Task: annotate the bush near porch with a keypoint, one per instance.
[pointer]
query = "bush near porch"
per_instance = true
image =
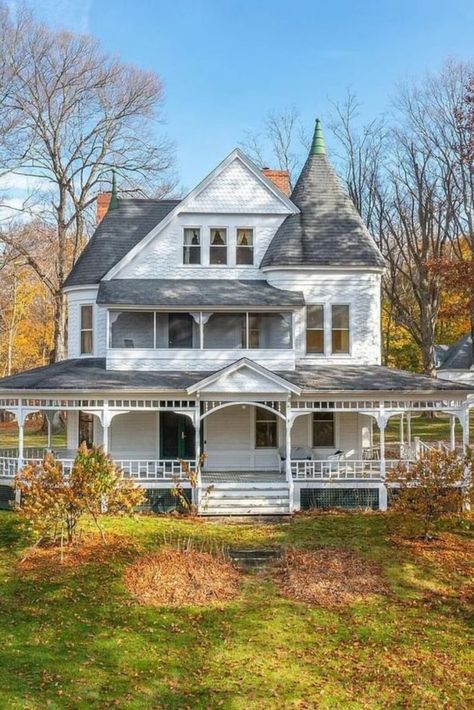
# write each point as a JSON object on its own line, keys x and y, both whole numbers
{"x": 72, "y": 636}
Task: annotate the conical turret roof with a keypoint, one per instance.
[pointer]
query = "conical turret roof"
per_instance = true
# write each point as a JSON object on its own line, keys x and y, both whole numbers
{"x": 328, "y": 231}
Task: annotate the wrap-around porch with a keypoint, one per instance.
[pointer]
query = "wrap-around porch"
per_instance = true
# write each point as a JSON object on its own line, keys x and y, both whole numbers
{"x": 301, "y": 442}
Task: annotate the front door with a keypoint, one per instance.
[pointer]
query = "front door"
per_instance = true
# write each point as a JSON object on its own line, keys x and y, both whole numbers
{"x": 177, "y": 436}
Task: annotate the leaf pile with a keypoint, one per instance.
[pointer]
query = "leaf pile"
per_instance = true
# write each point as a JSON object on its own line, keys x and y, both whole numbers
{"x": 329, "y": 577}
{"x": 174, "y": 577}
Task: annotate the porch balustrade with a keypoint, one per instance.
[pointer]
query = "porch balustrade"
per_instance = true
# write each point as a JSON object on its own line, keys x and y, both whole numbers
{"x": 307, "y": 470}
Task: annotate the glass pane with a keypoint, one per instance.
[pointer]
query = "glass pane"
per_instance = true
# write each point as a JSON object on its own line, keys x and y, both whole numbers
{"x": 265, "y": 435}
{"x": 314, "y": 316}
{"x": 269, "y": 330}
{"x": 225, "y": 330}
{"x": 315, "y": 341}
{"x": 323, "y": 430}
{"x": 245, "y": 237}
{"x": 176, "y": 330}
{"x": 86, "y": 317}
{"x": 218, "y": 255}
{"x": 192, "y": 237}
{"x": 340, "y": 341}
{"x": 86, "y": 429}
{"x": 218, "y": 237}
{"x": 129, "y": 329}
{"x": 192, "y": 255}
{"x": 340, "y": 317}
{"x": 244, "y": 255}
{"x": 86, "y": 342}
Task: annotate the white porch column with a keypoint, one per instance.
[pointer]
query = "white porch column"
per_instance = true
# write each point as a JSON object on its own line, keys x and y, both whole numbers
{"x": 464, "y": 419}
{"x": 402, "y": 428}
{"x": 20, "y": 417}
{"x": 382, "y": 421}
{"x": 289, "y": 477}
{"x": 197, "y": 445}
{"x": 409, "y": 428}
{"x": 105, "y": 420}
{"x": 452, "y": 431}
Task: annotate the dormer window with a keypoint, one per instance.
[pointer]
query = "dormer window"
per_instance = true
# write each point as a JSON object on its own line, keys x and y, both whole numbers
{"x": 192, "y": 246}
{"x": 244, "y": 248}
{"x": 218, "y": 247}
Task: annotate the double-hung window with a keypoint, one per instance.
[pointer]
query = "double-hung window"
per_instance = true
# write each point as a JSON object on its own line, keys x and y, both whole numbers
{"x": 266, "y": 434}
{"x": 323, "y": 429}
{"x": 87, "y": 333}
{"x": 191, "y": 246}
{"x": 340, "y": 330}
{"x": 315, "y": 329}
{"x": 218, "y": 246}
{"x": 244, "y": 247}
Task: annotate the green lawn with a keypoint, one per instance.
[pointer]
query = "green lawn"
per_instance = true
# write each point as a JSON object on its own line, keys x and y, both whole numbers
{"x": 73, "y": 638}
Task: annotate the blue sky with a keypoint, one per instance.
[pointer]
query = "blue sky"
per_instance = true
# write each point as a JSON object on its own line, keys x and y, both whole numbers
{"x": 226, "y": 63}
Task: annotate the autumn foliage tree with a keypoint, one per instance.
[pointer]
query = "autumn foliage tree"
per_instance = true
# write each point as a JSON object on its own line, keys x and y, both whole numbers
{"x": 434, "y": 485}
{"x": 54, "y": 503}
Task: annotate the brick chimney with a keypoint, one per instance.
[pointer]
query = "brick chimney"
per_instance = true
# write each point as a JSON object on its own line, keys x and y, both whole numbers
{"x": 102, "y": 206}
{"x": 280, "y": 178}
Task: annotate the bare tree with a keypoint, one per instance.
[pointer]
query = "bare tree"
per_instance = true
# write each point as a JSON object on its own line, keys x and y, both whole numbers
{"x": 83, "y": 113}
{"x": 280, "y": 143}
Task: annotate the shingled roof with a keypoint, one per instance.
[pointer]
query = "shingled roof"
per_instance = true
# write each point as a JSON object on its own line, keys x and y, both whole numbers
{"x": 120, "y": 230}
{"x": 328, "y": 231}
{"x": 456, "y": 357}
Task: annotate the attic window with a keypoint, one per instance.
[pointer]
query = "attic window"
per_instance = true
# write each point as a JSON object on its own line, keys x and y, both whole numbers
{"x": 218, "y": 248}
{"x": 244, "y": 249}
{"x": 192, "y": 246}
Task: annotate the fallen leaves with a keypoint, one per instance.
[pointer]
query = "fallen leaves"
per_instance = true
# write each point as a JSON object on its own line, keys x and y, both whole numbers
{"x": 328, "y": 577}
{"x": 177, "y": 577}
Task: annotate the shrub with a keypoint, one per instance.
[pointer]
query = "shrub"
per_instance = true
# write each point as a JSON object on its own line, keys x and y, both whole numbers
{"x": 53, "y": 503}
{"x": 438, "y": 483}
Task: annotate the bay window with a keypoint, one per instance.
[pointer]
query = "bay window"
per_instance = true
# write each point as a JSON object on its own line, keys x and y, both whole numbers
{"x": 218, "y": 246}
{"x": 244, "y": 247}
{"x": 340, "y": 330}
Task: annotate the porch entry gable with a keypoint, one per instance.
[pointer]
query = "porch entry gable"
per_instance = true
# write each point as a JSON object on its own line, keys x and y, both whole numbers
{"x": 244, "y": 377}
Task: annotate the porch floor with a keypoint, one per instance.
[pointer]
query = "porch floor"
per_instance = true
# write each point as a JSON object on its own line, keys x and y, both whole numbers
{"x": 243, "y": 476}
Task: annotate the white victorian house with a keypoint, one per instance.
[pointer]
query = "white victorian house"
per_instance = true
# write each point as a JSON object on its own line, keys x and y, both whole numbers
{"x": 242, "y": 322}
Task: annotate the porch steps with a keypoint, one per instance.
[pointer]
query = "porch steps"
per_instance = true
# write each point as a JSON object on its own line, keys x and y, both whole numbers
{"x": 226, "y": 498}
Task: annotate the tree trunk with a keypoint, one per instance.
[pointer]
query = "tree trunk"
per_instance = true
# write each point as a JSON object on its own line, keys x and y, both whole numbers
{"x": 59, "y": 351}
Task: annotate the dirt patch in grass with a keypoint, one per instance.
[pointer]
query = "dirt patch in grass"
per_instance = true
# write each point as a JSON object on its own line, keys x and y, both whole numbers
{"x": 89, "y": 550}
{"x": 329, "y": 577}
{"x": 174, "y": 577}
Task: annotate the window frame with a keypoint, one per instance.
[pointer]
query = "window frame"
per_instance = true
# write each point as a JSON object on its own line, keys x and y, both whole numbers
{"x": 83, "y": 330}
{"x": 349, "y": 330}
{"x": 321, "y": 353}
{"x": 192, "y": 246}
{"x": 314, "y": 419}
{"x": 219, "y": 246}
{"x": 252, "y": 248}
{"x": 272, "y": 418}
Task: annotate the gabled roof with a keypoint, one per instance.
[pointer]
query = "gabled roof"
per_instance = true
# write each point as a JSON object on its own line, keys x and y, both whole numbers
{"x": 328, "y": 231}
{"x": 457, "y": 356}
{"x": 195, "y": 292}
{"x": 120, "y": 230}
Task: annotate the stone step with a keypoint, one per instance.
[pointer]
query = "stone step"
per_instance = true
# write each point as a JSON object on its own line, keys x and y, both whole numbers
{"x": 244, "y": 486}
{"x": 245, "y": 492}
{"x": 241, "y": 510}
{"x": 215, "y": 501}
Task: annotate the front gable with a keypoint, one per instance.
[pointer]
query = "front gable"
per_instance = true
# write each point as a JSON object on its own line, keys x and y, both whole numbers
{"x": 235, "y": 187}
{"x": 244, "y": 377}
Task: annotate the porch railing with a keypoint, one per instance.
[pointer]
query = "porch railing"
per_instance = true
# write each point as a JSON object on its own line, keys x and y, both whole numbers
{"x": 307, "y": 470}
{"x": 138, "y": 469}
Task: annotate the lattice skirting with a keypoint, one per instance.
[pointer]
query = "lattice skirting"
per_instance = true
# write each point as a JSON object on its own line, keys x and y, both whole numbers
{"x": 348, "y": 498}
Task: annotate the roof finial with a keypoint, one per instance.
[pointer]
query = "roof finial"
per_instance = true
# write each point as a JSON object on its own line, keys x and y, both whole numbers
{"x": 317, "y": 146}
{"x": 113, "y": 204}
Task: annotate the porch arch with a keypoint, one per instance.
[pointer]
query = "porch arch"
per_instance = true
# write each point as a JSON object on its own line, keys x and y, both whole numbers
{"x": 260, "y": 405}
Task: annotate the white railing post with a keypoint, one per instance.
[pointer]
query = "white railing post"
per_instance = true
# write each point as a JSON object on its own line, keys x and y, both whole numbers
{"x": 452, "y": 432}
{"x": 197, "y": 444}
